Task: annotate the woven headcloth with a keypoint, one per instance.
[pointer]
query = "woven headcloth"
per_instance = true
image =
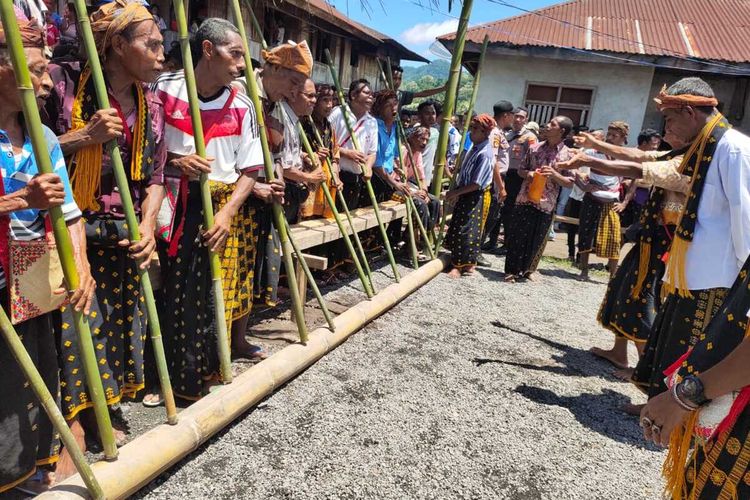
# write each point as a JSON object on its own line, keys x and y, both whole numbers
{"x": 665, "y": 101}
{"x": 381, "y": 97}
{"x": 292, "y": 56}
{"x": 113, "y": 18}
{"x": 621, "y": 127}
{"x": 485, "y": 121}
{"x": 31, "y": 34}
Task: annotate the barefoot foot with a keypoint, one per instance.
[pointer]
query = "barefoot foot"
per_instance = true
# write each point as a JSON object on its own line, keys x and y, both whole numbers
{"x": 609, "y": 356}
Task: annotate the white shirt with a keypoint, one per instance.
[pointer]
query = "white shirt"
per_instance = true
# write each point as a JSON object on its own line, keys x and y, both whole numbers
{"x": 428, "y": 155}
{"x": 230, "y": 128}
{"x": 721, "y": 243}
{"x": 365, "y": 130}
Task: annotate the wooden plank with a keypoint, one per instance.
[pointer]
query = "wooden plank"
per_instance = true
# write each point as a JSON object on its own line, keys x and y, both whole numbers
{"x": 566, "y": 219}
{"x": 311, "y": 233}
{"x": 316, "y": 262}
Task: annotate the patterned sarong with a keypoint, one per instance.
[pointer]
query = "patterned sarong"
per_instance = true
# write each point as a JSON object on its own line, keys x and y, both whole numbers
{"x": 465, "y": 232}
{"x": 528, "y": 238}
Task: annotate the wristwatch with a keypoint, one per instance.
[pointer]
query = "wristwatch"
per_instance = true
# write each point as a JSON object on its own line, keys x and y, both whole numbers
{"x": 691, "y": 392}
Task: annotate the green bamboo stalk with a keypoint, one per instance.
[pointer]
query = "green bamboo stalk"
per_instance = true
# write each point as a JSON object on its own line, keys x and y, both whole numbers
{"x": 332, "y": 204}
{"x": 121, "y": 179}
{"x": 49, "y": 404}
{"x": 349, "y": 219}
{"x": 450, "y": 97}
{"x": 311, "y": 282}
{"x": 59, "y": 227}
{"x": 467, "y": 118}
{"x": 402, "y": 134}
{"x": 278, "y": 213}
{"x": 368, "y": 184}
{"x": 222, "y": 338}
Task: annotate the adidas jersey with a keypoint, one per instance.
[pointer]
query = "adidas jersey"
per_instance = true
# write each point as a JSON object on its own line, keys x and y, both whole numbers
{"x": 230, "y": 128}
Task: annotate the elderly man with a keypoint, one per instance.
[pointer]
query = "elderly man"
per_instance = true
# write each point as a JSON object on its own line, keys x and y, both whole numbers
{"x": 235, "y": 158}
{"x": 28, "y": 436}
{"x": 130, "y": 46}
{"x": 285, "y": 70}
{"x": 712, "y": 238}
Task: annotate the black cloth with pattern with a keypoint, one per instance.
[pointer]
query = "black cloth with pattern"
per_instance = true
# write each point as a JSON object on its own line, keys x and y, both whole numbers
{"x": 118, "y": 323}
{"x": 624, "y": 315}
{"x": 529, "y": 232}
{"x": 268, "y": 257}
{"x": 588, "y": 223}
{"x": 678, "y": 326}
{"x": 465, "y": 232}
{"x": 720, "y": 468}
{"x": 28, "y": 438}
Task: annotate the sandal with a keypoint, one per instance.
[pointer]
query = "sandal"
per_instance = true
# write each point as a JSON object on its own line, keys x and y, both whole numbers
{"x": 153, "y": 400}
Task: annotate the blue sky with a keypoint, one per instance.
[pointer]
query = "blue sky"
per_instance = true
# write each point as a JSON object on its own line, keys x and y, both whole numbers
{"x": 416, "y": 23}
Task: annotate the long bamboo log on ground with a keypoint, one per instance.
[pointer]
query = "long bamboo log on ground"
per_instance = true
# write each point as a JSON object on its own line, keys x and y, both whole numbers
{"x": 402, "y": 134}
{"x": 146, "y": 457}
{"x": 278, "y": 213}
{"x": 368, "y": 184}
{"x": 222, "y": 336}
{"x": 49, "y": 404}
{"x": 337, "y": 217}
{"x": 349, "y": 219}
{"x": 59, "y": 227}
{"x": 464, "y": 133}
{"x": 134, "y": 234}
{"x": 450, "y": 97}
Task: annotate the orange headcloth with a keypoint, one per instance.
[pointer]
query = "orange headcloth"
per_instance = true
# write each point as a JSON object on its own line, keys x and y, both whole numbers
{"x": 290, "y": 55}
{"x": 113, "y": 18}
{"x": 665, "y": 101}
{"x": 31, "y": 34}
{"x": 485, "y": 121}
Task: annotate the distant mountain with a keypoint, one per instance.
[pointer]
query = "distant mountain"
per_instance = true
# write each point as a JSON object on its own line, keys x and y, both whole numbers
{"x": 437, "y": 69}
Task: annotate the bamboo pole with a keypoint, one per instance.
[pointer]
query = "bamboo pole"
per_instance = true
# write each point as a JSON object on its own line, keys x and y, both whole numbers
{"x": 49, "y": 404}
{"x": 121, "y": 179}
{"x": 467, "y": 118}
{"x": 149, "y": 455}
{"x": 278, "y": 213}
{"x": 368, "y": 184}
{"x": 349, "y": 219}
{"x": 311, "y": 281}
{"x": 222, "y": 337}
{"x": 329, "y": 199}
{"x": 59, "y": 226}
{"x": 402, "y": 134}
{"x": 450, "y": 97}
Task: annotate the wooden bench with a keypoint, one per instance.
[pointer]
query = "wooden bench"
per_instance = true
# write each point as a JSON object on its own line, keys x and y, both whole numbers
{"x": 314, "y": 232}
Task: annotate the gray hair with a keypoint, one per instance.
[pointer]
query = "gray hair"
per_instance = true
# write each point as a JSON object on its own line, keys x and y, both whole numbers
{"x": 691, "y": 86}
{"x": 214, "y": 29}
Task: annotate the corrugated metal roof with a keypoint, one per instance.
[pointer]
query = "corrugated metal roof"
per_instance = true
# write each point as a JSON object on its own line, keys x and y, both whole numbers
{"x": 706, "y": 29}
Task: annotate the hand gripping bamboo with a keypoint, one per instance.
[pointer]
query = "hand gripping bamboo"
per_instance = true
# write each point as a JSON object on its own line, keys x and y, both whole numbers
{"x": 121, "y": 179}
{"x": 467, "y": 120}
{"x": 450, "y": 97}
{"x": 350, "y": 220}
{"x": 332, "y": 204}
{"x": 222, "y": 337}
{"x": 278, "y": 214}
{"x": 368, "y": 184}
{"x": 49, "y": 404}
{"x": 59, "y": 227}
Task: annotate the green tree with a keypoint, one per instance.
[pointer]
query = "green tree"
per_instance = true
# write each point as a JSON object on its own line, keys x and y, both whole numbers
{"x": 425, "y": 82}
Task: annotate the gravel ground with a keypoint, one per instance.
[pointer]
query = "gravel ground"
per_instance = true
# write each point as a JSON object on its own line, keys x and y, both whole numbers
{"x": 470, "y": 389}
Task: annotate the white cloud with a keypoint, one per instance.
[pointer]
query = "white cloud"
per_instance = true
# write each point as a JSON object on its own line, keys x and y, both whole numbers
{"x": 427, "y": 32}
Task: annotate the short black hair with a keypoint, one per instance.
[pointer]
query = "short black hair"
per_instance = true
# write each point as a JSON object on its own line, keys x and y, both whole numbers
{"x": 357, "y": 86}
{"x": 521, "y": 109}
{"x": 429, "y": 102}
{"x": 213, "y": 29}
{"x": 565, "y": 124}
{"x": 395, "y": 68}
{"x": 502, "y": 107}
{"x": 646, "y": 135}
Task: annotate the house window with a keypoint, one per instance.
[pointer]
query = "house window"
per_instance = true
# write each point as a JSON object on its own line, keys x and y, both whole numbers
{"x": 545, "y": 101}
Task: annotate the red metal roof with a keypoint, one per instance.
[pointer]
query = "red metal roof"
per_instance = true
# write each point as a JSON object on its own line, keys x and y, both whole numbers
{"x": 703, "y": 29}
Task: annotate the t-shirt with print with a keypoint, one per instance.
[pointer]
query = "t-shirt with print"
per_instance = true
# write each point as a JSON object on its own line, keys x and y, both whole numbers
{"x": 230, "y": 128}
{"x": 366, "y": 133}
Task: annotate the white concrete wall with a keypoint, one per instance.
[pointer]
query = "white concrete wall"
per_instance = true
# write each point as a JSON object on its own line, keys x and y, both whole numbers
{"x": 621, "y": 92}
